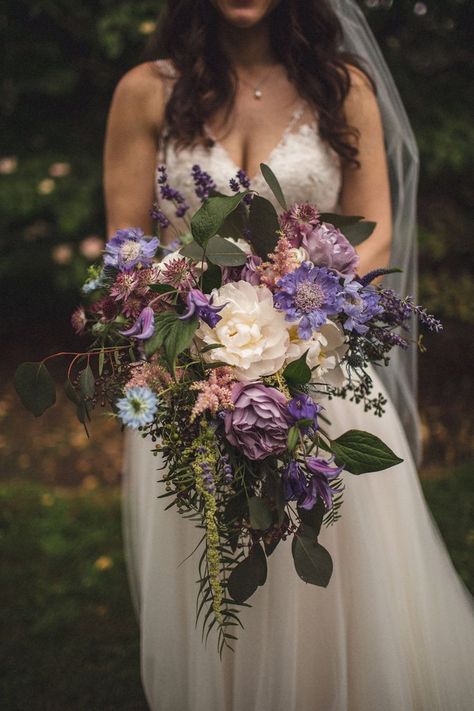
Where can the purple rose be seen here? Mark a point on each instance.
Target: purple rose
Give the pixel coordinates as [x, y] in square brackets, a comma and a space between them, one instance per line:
[327, 247]
[259, 423]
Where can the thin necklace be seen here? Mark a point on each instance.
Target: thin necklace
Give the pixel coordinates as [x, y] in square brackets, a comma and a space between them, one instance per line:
[257, 88]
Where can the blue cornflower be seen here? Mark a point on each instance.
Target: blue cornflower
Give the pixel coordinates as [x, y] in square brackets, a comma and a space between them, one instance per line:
[138, 407]
[128, 248]
[309, 294]
[360, 304]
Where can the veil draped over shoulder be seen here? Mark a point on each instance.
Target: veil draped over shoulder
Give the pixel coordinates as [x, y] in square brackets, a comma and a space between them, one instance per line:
[400, 378]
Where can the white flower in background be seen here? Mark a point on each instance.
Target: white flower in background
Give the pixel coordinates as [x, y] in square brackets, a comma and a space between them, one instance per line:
[241, 244]
[173, 256]
[326, 348]
[253, 334]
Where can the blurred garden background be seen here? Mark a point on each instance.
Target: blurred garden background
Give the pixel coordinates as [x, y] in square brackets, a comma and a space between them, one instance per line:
[68, 628]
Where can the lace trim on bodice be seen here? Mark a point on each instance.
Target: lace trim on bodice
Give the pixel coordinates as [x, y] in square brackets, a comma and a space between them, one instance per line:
[307, 168]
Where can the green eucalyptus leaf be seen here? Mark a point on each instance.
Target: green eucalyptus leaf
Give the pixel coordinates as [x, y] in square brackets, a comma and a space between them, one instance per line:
[264, 224]
[193, 251]
[71, 392]
[360, 452]
[224, 252]
[298, 371]
[163, 323]
[312, 561]
[236, 223]
[260, 512]
[207, 221]
[101, 361]
[273, 184]
[161, 288]
[35, 387]
[87, 382]
[247, 575]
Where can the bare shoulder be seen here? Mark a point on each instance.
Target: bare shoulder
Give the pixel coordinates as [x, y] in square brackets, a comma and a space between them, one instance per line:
[361, 105]
[141, 92]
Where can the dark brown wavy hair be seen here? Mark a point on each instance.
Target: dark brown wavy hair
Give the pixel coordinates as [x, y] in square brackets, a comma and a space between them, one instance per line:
[306, 36]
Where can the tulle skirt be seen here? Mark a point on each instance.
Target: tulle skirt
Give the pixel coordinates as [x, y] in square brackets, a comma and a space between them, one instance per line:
[393, 631]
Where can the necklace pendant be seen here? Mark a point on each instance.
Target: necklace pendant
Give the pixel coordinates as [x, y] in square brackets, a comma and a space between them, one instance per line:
[257, 94]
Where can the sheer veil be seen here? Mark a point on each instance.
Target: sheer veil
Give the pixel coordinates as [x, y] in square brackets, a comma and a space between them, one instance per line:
[400, 378]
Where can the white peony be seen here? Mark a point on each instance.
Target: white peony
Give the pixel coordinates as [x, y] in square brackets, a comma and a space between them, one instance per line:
[299, 254]
[253, 334]
[326, 349]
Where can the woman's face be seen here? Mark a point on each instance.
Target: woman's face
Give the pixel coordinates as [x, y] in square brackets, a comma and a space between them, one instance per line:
[244, 13]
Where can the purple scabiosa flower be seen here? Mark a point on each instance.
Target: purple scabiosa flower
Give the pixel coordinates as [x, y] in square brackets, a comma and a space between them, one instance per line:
[203, 183]
[144, 326]
[128, 248]
[258, 424]
[360, 304]
[328, 247]
[138, 407]
[319, 485]
[294, 482]
[309, 294]
[300, 219]
[200, 305]
[303, 407]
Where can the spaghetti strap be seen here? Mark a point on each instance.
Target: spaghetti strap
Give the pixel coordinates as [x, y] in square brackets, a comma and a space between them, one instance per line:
[169, 75]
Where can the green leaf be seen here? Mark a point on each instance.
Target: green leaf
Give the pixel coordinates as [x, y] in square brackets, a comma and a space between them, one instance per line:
[211, 278]
[163, 324]
[360, 452]
[247, 575]
[312, 561]
[273, 184]
[71, 392]
[339, 220]
[263, 223]
[236, 223]
[101, 361]
[358, 232]
[207, 221]
[211, 347]
[178, 338]
[313, 518]
[225, 252]
[298, 371]
[161, 288]
[260, 513]
[193, 251]
[87, 382]
[35, 387]
[293, 437]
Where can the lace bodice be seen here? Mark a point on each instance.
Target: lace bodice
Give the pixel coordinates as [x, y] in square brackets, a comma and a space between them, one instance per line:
[307, 168]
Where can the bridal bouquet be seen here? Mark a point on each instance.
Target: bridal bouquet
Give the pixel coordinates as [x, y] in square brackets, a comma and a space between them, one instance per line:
[222, 350]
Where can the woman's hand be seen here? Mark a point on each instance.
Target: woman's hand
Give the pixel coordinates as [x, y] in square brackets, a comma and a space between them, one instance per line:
[366, 190]
[133, 127]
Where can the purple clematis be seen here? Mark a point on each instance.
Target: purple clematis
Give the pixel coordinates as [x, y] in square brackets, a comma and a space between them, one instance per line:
[319, 485]
[294, 482]
[309, 295]
[303, 407]
[200, 305]
[128, 248]
[144, 326]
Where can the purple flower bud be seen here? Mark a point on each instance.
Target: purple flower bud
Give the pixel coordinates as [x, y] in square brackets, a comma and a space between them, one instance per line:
[303, 407]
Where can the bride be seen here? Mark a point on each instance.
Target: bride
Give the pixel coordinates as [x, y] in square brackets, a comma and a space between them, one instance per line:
[250, 81]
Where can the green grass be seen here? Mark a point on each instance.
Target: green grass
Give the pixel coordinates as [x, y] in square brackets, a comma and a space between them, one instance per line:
[69, 635]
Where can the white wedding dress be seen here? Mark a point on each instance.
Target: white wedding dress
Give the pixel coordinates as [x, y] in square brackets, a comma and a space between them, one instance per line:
[394, 629]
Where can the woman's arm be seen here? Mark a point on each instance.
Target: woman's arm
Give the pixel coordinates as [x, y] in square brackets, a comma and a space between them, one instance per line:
[133, 127]
[366, 190]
